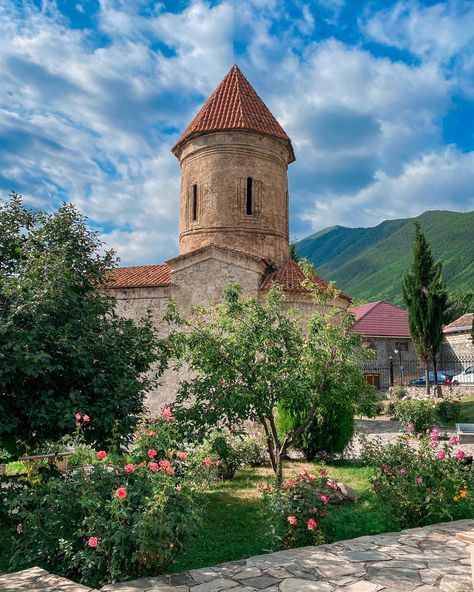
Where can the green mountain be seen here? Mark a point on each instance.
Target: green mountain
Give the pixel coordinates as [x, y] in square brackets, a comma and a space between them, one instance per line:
[369, 263]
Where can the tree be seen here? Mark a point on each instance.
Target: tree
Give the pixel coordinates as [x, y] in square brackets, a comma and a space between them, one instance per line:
[293, 254]
[62, 348]
[248, 356]
[459, 303]
[425, 295]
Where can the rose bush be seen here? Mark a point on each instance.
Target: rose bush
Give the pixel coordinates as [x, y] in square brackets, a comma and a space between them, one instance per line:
[421, 481]
[296, 511]
[448, 410]
[110, 522]
[418, 415]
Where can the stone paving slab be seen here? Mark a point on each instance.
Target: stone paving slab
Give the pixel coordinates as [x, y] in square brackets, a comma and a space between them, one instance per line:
[426, 559]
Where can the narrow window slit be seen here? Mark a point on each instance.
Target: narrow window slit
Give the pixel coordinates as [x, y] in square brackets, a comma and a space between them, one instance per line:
[249, 205]
[195, 202]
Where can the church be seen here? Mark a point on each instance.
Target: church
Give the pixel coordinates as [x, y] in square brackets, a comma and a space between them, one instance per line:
[234, 218]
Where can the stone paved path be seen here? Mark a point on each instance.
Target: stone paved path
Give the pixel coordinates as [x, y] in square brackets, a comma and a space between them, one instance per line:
[426, 559]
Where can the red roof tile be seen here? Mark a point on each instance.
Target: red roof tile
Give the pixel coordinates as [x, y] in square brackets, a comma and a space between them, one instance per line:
[380, 319]
[140, 276]
[234, 105]
[464, 323]
[290, 277]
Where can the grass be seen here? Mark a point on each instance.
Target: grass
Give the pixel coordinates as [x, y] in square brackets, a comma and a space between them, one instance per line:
[467, 409]
[234, 526]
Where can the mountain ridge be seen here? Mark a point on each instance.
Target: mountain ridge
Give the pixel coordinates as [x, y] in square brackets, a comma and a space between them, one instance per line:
[369, 262]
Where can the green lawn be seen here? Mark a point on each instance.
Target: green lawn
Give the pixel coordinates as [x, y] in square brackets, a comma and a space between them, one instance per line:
[467, 409]
[233, 520]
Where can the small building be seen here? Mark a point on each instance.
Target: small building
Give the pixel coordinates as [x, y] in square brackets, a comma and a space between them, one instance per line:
[457, 338]
[384, 330]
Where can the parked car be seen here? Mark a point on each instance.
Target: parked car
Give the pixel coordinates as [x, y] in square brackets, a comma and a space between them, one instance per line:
[466, 377]
[443, 378]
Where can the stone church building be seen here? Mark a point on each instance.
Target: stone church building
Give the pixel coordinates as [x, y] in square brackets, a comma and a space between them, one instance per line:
[234, 158]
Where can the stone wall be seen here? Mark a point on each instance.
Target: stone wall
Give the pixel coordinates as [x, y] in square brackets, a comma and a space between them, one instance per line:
[219, 164]
[458, 345]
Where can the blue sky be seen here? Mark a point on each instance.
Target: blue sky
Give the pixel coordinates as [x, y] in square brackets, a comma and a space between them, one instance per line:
[377, 96]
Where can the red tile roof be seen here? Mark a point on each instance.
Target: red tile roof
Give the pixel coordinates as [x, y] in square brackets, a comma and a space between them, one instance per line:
[290, 276]
[380, 319]
[140, 276]
[464, 323]
[234, 105]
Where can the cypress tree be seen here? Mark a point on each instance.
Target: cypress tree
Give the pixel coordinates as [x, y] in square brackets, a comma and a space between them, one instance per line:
[293, 255]
[425, 295]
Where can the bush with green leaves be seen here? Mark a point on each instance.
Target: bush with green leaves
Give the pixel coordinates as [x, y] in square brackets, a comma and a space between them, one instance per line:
[417, 415]
[448, 410]
[422, 482]
[399, 393]
[62, 347]
[112, 522]
[295, 512]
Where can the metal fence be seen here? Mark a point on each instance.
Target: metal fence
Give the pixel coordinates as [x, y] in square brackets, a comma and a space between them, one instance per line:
[386, 373]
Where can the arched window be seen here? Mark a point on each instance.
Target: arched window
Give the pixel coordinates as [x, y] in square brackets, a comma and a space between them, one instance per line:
[195, 202]
[249, 204]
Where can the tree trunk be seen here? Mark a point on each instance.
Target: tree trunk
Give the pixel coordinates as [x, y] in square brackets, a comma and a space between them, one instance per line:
[437, 388]
[427, 378]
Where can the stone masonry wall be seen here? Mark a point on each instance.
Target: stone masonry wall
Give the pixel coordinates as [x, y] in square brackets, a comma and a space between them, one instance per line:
[219, 164]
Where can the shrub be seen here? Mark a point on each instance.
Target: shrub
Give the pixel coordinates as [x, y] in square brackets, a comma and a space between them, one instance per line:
[399, 393]
[295, 512]
[367, 403]
[329, 432]
[110, 523]
[421, 483]
[161, 434]
[448, 410]
[417, 415]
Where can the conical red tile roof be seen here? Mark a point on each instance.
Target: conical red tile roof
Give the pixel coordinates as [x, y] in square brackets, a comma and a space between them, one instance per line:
[234, 105]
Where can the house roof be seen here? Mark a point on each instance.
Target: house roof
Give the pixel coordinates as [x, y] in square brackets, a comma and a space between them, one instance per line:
[140, 276]
[380, 319]
[464, 323]
[234, 105]
[290, 277]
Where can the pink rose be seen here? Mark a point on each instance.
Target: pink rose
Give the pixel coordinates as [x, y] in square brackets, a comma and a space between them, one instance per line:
[207, 461]
[164, 464]
[151, 453]
[454, 441]
[101, 454]
[121, 493]
[153, 466]
[93, 541]
[324, 499]
[312, 524]
[292, 520]
[129, 468]
[459, 454]
[86, 418]
[324, 473]
[402, 472]
[410, 426]
[77, 416]
[171, 545]
[441, 455]
[182, 455]
[151, 433]
[167, 414]
[434, 443]
[419, 480]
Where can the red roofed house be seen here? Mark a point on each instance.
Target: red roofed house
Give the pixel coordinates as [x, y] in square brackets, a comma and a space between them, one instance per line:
[234, 157]
[457, 338]
[384, 328]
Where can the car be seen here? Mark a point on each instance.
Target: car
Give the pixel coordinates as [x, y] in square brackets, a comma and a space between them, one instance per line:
[443, 378]
[466, 377]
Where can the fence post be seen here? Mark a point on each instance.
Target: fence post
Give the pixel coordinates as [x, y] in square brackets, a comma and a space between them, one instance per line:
[391, 371]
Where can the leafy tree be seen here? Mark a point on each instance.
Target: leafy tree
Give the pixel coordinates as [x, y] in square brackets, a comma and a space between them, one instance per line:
[459, 302]
[62, 348]
[472, 331]
[425, 295]
[248, 356]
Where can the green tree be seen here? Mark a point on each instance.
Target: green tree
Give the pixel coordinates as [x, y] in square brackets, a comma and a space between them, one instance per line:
[293, 254]
[248, 356]
[62, 348]
[459, 302]
[425, 295]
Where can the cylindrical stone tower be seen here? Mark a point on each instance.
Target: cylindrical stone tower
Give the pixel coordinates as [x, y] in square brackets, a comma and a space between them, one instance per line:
[234, 186]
